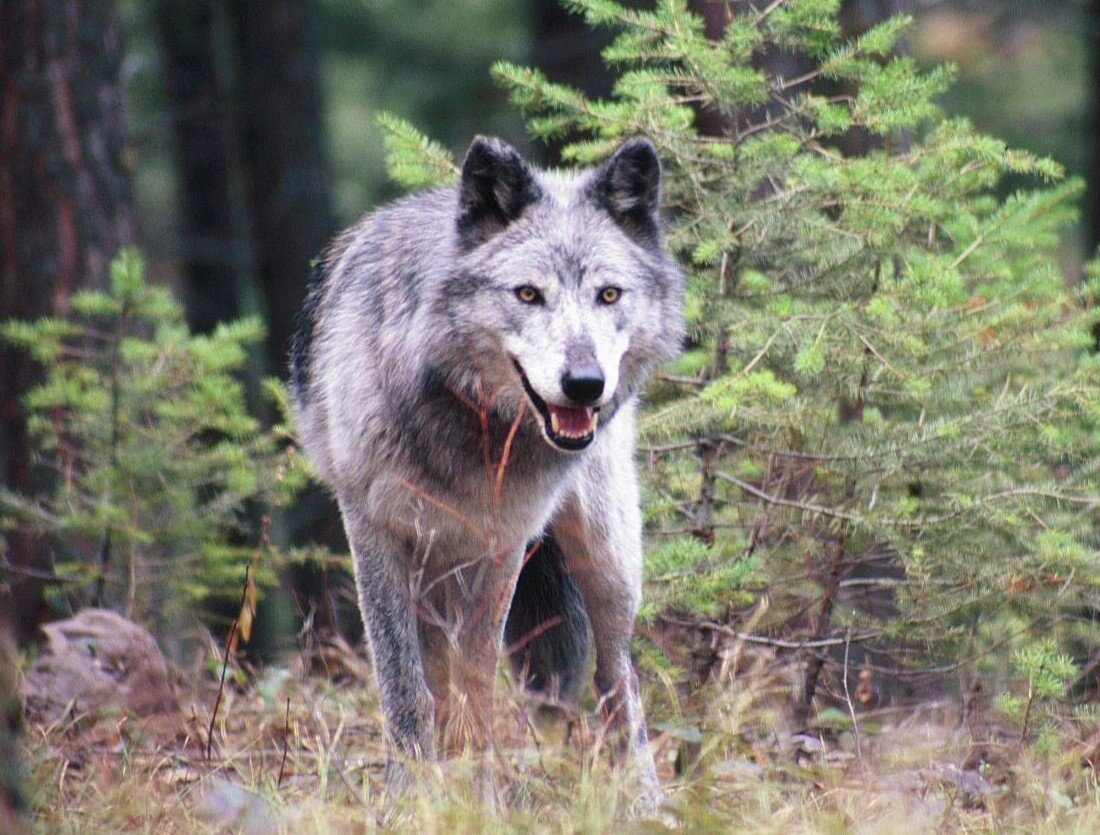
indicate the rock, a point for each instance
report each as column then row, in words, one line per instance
column 804, row 743
column 95, row 662
column 226, row 806
column 973, row 786
column 738, row 770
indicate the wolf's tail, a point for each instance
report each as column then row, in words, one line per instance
column 546, row 633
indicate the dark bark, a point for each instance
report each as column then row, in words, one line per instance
column 567, row 50
column 210, row 251
column 705, row 503
column 65, row 208
column 856, row 17
column 287, row 188
column 13, row 800
column 281, row 144
column 1092, row 209
column 815, row 659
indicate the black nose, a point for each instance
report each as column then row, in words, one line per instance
column 583, row 384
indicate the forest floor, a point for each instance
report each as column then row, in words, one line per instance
column 295, row 751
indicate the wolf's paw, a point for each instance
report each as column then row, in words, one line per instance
column 653, row 805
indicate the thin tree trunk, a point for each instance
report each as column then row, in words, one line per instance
column 13, row 800
column 65, row 208
column 567, row 50
column 1093, row 34
column 856, row 17
column 211, row 253
column 1092, row 207
column 815, row 658
column 287, row 188
column 282, row 149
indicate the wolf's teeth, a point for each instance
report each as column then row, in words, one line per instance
column 572, row 434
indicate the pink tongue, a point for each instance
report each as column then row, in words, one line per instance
column 572, row 421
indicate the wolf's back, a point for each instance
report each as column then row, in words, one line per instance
column 376, row 271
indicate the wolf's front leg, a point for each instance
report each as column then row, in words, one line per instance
column 599, row 530
column 381, row 575
column 482, row 594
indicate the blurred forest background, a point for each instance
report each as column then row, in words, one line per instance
column 228, row 140
column 244, row 135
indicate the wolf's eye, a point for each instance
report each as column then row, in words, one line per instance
column 528, row 294
column 609, row 295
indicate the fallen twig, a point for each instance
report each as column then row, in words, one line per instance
column 286, row 734
column 225, row 665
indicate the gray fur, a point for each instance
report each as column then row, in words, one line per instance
column 408, row 397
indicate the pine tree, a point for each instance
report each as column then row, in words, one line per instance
column 885, row 365
column 154, row 454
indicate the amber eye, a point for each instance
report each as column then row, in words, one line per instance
column 528, row 294
column 610, row 295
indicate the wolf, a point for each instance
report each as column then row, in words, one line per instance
column 465, row 377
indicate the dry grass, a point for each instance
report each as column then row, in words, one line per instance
column 320, row 770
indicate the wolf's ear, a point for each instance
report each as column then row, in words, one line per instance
column 628, row 187
column 496, row 186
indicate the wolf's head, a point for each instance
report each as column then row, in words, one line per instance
column 562, row 282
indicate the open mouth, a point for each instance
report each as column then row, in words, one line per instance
column 568, row 428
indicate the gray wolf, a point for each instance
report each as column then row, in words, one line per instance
column 465, row 377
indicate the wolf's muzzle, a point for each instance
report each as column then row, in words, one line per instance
column 568, row 428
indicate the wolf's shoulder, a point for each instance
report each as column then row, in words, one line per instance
column 407, row 227
column 379, row 266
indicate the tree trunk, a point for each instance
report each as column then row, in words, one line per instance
column 210, row 251
column 567, row 50
column 856, row 17
column 65, row 208
column 1092, row 207
column 282, row 149
column 13, row 800
column 287, row 187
